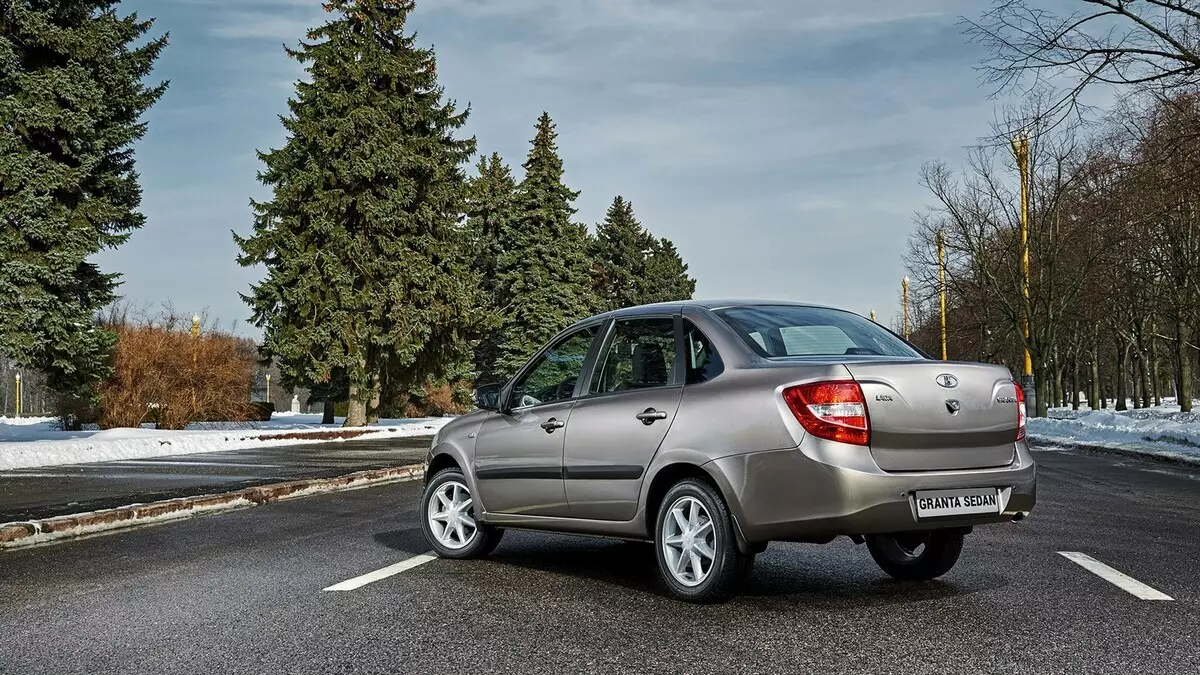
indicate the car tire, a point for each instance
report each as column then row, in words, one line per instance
column 726, row 569
column 897, row 554
column 452, row 531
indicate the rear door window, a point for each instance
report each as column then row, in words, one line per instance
column 703, row 363
column 640, row 355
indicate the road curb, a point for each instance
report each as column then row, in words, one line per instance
column 1177, row 460
column 47, row 530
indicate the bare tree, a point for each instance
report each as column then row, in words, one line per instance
column 1114, row 238
column 1145, row 45
column 978, row 215
column 1167, row 183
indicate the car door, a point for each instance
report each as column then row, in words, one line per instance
column 519, row 452
column 617, row 426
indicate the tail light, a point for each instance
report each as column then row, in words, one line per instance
column 1020, row 410
column 835, row 411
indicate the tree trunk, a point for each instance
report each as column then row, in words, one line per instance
column 1136, row 378
column 1184, row 386
column 1096, row 396
column 1122, row 362
column 1103, row 390
column 373, row 406
column 1145, row 373
column 1060, row 372
column 1075, row 384
column 1044, row 388
column 356, row 411
column 327, row 411
column 1154, row 378
column 1060, row 396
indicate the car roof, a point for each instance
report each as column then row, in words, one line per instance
column 708, row 303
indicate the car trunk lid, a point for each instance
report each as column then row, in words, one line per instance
column 938, row 415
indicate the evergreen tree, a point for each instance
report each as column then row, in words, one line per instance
column 544, row 273
column 666, row 277
column 367, row 264
column 71, row 97
column 619, row 254
column 489, row 213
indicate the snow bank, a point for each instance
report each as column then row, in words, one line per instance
column 1161, row 430
column 26, row 444
column 24, row 421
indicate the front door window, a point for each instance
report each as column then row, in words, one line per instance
column 554, row 375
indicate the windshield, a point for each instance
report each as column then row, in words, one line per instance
column 781, row 331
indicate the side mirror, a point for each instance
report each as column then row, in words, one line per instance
column 487, row 397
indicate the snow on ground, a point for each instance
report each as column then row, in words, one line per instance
column 36, row 441
column 1160, row 430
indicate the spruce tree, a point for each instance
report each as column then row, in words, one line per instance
column 71, row 100
column 619, row 257
column 544, row 272
column 367, row 267
column 489, row 213
column 666, row 277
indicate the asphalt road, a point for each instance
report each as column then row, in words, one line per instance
column 74, row 488
column 242, row 593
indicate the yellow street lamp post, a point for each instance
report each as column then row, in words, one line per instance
column 873, row 315
column 941, row 247
column 268, row 387
column 1020, row 148
column 904, row 294
column 18, row 394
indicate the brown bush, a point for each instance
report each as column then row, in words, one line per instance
column 437, row 399
column 163, row 374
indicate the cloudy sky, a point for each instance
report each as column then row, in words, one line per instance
column 777, row 142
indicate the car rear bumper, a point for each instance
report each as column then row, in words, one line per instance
column 825, row 489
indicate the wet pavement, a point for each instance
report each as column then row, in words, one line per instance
column 74, row 488
column 243, row 592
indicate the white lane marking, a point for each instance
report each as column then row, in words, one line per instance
column 390, row 570
column 1118, row 579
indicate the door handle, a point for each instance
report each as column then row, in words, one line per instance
column 551, row 424
column 650, row 414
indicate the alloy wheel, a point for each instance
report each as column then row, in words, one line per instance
column 689, row 541
column 451, row 515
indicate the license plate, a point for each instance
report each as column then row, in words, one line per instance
column 960, row 502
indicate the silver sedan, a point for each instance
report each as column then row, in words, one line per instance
column 712, row 428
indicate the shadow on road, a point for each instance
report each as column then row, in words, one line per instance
column 836, row 577
column 409, row 540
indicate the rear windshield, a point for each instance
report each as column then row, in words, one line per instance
column 780, row 331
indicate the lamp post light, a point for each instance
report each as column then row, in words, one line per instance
column 18, row 394
column 942, row 287
column 268, row 387
column 1020, row 148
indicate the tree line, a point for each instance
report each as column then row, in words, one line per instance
column 1114, row 209
column 389, row 268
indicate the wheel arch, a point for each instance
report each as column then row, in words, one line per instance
column 441, row 461
column 680, row 468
